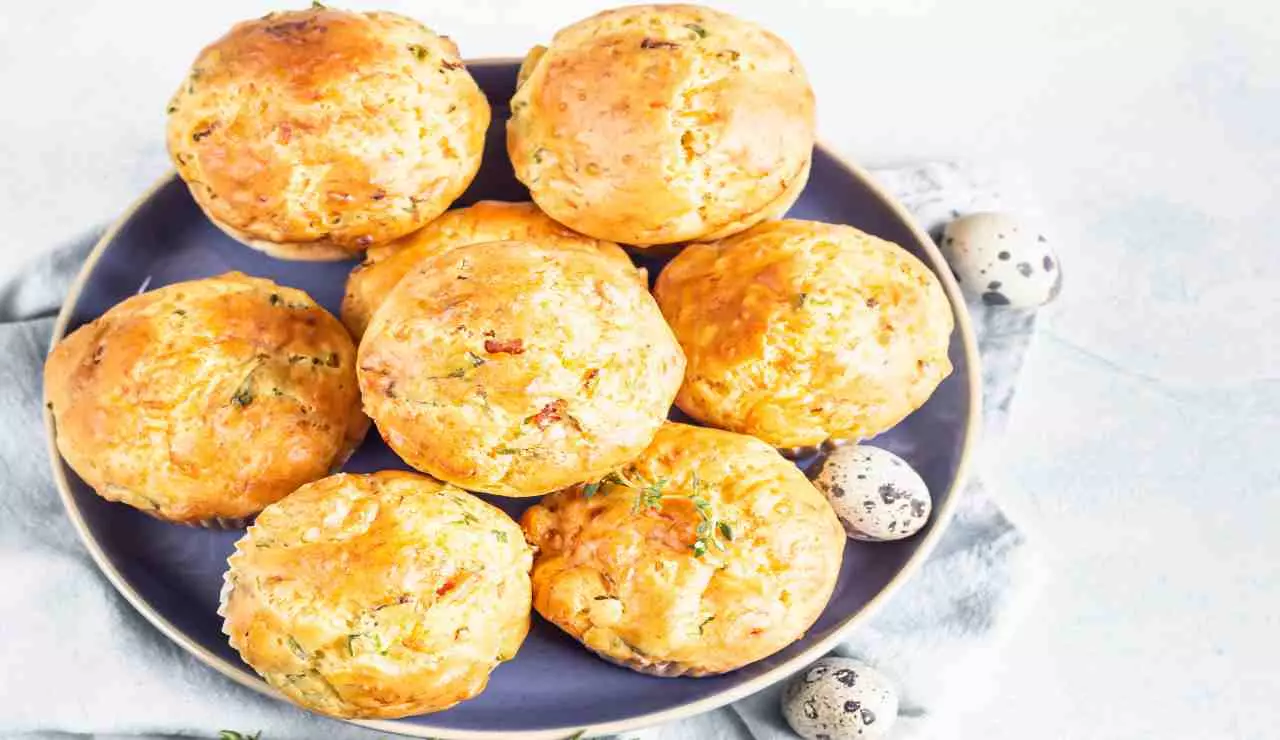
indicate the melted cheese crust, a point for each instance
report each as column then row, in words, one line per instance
column 383, row 595
column 622, row 576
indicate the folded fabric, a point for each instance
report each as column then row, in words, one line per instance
column 80, row 660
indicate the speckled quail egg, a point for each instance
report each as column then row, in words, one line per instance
column 1001, row 261
column 840, row 698
column 876, row 494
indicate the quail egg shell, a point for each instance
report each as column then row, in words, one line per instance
column 1001, row 261
column 840, row 698
column 876, row 494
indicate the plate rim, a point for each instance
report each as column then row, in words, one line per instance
column 942, row 520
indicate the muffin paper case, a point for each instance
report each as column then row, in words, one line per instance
column 223, row 522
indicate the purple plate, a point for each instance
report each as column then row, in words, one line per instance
column 553, row 688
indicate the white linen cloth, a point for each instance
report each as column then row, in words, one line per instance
column 77, row 659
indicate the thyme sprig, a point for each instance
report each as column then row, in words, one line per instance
column 711, row 531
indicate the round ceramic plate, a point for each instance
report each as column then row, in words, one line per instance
column 553, row 688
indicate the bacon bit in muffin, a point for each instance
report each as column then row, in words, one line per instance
column 450, row 64
column 552, row 412
column 286, row 133
column 508, row 346
column 655, row 44
column 204, row 132
column 287, row 30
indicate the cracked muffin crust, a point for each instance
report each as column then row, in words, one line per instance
column 518, row 369
column 486, row 221
column 656, row 124
column 799, row 331
column 317, row 133
column 382, row 595
column 708, row 552
column 207, row 399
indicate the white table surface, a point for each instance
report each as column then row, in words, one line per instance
column 1145, row 449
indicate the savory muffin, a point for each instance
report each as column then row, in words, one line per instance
column 708, row 552
column 314, row 134
column 486, row 221
column 202, row 402
column 380, row 595
column 656, row 124
column 798, row 331
column 518, row 369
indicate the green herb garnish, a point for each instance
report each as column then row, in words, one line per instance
column 419, row 52
column 698, row 31
column 472, row 361
column 296, row 648
column 705, row 622
column 244, row 394
column 725, row 531
column 317, row 5
column 519, row 451
column 233, row 735
column 502, row 536
column 649, row 497
column 711, row 531
column 374, row 636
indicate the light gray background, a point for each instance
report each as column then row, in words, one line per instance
column 1145, row 452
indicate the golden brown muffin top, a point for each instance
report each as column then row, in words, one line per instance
column 708, row 552
column 486, row 221
column 327, row 130
column 799, row 331
column 206, row 399
column 380, row 595
column 655, row 124
column 518, row 369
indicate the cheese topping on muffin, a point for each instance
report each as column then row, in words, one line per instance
column 656, row 124
column 380, row 595
column 798, row 331
column 518, row 369
column 315, row 134
column 486, row 221
column 708, row 552
column 207, row 399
